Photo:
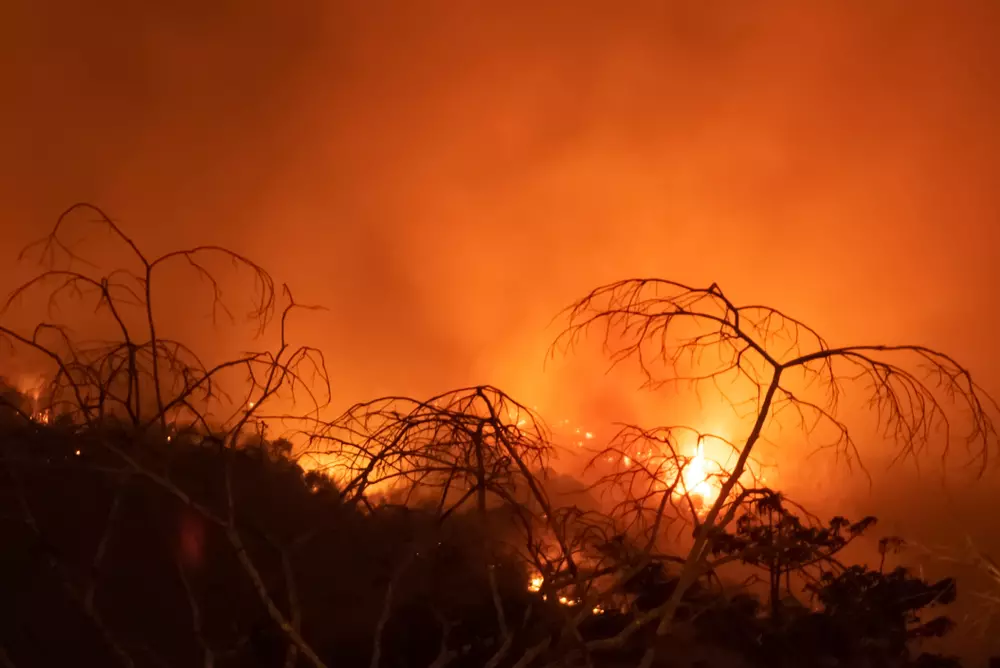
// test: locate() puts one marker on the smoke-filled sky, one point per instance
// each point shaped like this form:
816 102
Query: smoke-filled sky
445 176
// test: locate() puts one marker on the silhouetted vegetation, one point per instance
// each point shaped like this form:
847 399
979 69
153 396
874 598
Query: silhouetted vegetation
133 569
151 520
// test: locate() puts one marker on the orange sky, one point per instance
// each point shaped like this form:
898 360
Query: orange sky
444 180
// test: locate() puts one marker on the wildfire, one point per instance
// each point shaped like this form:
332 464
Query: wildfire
696 480
535 585
697 475
31 387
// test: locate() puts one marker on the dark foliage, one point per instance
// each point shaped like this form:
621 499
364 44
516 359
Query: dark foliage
168 584
858 616
165 563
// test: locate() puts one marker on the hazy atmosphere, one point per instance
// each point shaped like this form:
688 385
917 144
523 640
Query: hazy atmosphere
445 177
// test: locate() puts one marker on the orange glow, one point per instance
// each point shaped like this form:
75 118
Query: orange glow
338 467
696 470
813 161
535 585
696 479
599 172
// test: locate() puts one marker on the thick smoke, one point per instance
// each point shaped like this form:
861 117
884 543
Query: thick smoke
444 180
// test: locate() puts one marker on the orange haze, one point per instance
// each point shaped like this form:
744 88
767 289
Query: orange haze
444 177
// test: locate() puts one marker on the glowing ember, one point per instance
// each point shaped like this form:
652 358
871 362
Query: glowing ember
535 585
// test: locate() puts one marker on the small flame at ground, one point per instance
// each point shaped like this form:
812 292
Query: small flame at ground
535 585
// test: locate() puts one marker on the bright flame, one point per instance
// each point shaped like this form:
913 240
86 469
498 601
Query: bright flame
696 480
535 585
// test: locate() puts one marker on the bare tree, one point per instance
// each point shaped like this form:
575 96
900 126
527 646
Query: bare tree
474 448
698 337
94 383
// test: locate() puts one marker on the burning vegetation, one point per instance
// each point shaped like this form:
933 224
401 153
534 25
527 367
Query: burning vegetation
155 518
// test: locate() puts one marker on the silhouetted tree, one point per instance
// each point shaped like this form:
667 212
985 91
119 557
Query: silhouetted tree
771 537
855 616
142 383
685 335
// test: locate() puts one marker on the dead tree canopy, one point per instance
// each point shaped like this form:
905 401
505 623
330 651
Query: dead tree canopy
698 338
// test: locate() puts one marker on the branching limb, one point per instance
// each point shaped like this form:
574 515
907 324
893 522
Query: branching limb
118 649
102 547
208 654
679 334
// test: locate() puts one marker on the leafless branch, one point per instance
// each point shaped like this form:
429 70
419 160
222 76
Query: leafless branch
118 649
678 334
387 603
208 654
